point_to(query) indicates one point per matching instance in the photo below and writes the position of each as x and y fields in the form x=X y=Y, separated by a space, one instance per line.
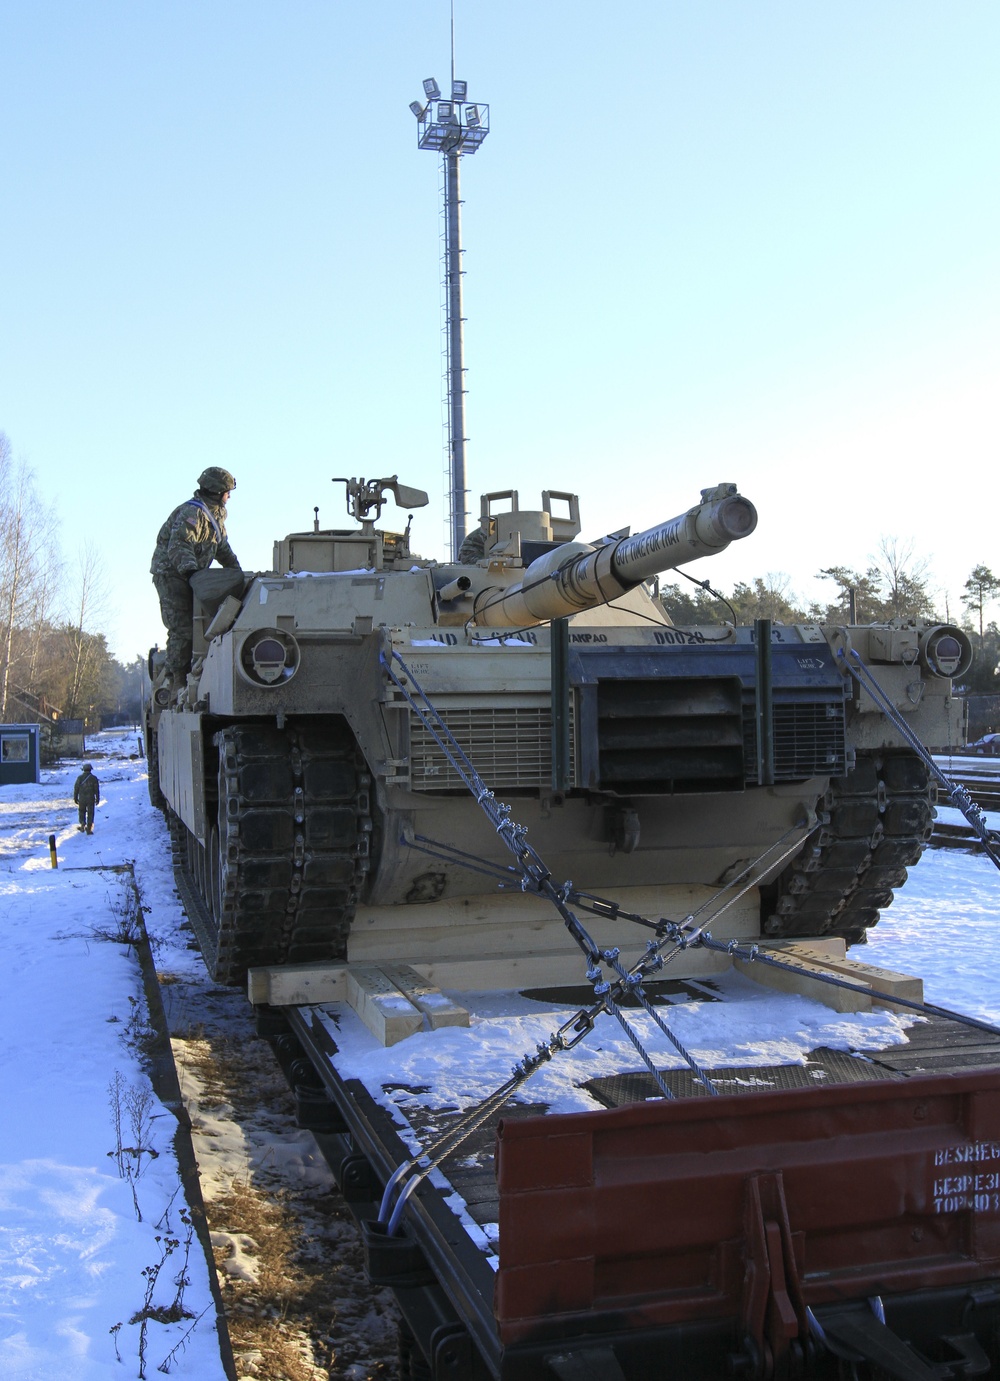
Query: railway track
x=977 y=775
x=949 y=835
x=983 y=785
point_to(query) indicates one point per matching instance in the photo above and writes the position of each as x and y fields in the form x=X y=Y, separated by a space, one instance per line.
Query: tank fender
x=181 y=752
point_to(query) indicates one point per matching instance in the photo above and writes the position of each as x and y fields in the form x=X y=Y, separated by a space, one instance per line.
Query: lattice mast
x=452 y=127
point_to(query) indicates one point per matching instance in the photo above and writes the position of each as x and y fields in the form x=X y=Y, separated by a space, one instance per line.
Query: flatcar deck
x=936 y=1045
x=381 y=1121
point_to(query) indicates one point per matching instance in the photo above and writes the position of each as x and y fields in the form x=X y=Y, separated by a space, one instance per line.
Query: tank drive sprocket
x=876 y=822
x=288 y=852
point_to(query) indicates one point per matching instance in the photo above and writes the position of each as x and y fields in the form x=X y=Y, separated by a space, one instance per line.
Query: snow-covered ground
x=945 y=926
x=98 y=1260
x=87 y=1223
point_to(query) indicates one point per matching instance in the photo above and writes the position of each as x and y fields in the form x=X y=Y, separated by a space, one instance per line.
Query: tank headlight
x=269 y=657
x=946 y=651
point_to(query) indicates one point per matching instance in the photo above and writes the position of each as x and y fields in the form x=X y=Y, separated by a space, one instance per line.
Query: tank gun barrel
x=576 y=576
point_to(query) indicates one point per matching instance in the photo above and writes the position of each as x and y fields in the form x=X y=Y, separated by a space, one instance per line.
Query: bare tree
x=903 y=580
x=87 y=649
x=62 y=660
x=894 y=586
x=40 y=623
x=27 y=563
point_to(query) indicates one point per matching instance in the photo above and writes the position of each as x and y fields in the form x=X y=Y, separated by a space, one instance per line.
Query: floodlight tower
x=452 y=127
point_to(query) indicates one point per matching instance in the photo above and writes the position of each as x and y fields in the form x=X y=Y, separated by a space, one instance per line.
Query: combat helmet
x=215 y=480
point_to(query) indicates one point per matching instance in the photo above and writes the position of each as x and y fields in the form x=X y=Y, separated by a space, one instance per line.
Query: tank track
x=279 y=877
x=875 y=823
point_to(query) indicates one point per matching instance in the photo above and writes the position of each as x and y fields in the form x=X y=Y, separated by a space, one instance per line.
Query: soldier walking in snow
x=87 y=794
x=192 y=538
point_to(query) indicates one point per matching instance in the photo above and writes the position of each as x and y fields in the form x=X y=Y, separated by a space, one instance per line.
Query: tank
x=673 y=771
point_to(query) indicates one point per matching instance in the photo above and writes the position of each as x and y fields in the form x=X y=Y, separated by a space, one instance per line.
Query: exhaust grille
x=809 y=740
x=510 y=746
x=659 y=737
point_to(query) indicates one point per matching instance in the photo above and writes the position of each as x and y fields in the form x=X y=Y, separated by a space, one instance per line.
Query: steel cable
x=534 y=876
x=957 y=793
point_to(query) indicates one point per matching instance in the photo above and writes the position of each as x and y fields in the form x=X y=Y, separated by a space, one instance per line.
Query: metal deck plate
x=937 y=1045
x=822 y=1066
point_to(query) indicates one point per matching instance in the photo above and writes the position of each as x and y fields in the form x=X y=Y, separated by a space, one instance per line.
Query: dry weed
x=310 y=1314
x=266 y=1317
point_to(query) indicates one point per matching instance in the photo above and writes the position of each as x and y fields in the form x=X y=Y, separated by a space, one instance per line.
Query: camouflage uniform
x=87 y=794
x=473 y=548
x=192 y=537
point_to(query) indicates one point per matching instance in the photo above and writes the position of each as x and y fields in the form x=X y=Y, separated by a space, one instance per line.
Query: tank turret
x=316 y=817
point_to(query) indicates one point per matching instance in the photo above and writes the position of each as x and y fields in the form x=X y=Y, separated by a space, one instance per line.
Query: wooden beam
x=807 y=980
x=438 y=1009
x=389 y=1015
x=884 y=980
x=512 y=940
x=548 y=971
x=301 y=985
x=298 y=985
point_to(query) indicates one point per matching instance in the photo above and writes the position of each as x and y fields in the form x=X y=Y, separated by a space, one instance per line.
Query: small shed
x=19 y=753
x=67 y=740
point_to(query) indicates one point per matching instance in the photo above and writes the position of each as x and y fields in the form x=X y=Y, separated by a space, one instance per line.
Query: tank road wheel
x=291 y=846
x=879 y=819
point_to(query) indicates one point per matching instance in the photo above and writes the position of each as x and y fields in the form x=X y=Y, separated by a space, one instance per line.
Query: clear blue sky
x=705 y=240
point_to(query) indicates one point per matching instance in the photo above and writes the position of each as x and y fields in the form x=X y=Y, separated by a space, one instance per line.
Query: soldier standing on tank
x=87 y=794
x=192 y=538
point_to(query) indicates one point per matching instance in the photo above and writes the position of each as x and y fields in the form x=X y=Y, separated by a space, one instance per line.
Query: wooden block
x=806 y=979
x=884 y=980
x=438 y=1009
x=298 y=985
x=388 y=1014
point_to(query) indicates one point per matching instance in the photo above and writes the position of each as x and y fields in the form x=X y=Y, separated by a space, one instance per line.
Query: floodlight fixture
x=459 y=90
x=418 y=110
x=445 y=112
x=472 y=116
x=431 y=89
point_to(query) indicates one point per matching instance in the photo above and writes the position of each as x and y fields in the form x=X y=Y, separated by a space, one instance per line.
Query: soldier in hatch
x=192 y=537
x=87 y=794
x=473 y=547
